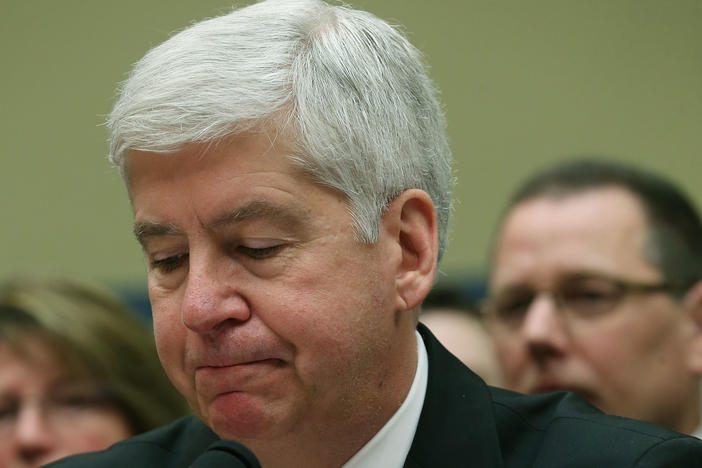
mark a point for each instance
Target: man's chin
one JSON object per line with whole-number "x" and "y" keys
{"x": 238, "y": 416}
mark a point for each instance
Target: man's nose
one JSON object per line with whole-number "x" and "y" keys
{"x": 212, "y": 297}
{"x": 544, "y": 328}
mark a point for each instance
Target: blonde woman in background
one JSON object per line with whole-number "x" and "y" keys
{"x": 78, "y": 372}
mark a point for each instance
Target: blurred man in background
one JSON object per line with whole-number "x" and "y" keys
{"x": 596, "y": 287}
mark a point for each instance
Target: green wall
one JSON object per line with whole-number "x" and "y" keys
{"x": 523, "y": 84}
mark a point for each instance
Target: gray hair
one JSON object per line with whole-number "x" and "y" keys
{"x": 349, "y": 90}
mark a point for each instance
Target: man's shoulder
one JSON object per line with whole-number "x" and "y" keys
{"x": 174, "y": 445}
{"x": 562, "y": 427}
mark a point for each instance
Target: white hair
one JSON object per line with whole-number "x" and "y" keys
{"x": 350, "y": 90}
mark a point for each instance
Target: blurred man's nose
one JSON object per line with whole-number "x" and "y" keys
{"x": 544, "y": 329}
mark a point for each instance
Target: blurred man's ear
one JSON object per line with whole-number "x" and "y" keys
{"x": 693, "y": 306}
{"x": 411, "y": 221}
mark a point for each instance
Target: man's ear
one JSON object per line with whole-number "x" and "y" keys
{"x": 693, "y": 306}
{"x": 410, "y": 220}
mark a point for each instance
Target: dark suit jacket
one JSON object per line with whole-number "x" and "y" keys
{"x": 463, "y": 423}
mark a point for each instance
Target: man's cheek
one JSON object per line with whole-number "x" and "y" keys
{"x": 170, "y": 346}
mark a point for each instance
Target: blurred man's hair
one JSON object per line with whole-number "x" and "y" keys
{"x": 674, "y": 237}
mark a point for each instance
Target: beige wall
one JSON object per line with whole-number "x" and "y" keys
{"x": 523, "y": 83}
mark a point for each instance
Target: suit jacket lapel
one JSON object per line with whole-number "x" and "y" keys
{"x": 457, "y": 424}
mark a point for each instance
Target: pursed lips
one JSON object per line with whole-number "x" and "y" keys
{"x": 217, "y": 378}
{"x": 221, "y": 363}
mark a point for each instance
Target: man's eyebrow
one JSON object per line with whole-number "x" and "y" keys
{"x": 284, "y": 216}
{"x": 262, "y": 209}
{"x": 145, "y": 229}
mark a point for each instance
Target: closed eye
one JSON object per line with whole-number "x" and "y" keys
{"x": 169, "y": 264}
{"x": 260, "y": 253}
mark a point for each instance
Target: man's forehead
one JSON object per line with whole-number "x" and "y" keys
{"x": 549, "y": 240}
{"x": 213, "y": 162}
{"x": 572, "y": 207}
{"x": 608, "y": 220}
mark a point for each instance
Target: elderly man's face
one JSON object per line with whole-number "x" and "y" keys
{"x": 624, "y": 349}
{"x": 269, "y": 316}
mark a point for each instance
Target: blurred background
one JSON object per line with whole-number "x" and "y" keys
{"x": 523, "y": 84}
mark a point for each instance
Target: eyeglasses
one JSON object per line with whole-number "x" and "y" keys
{"x": 579, "y": 297}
